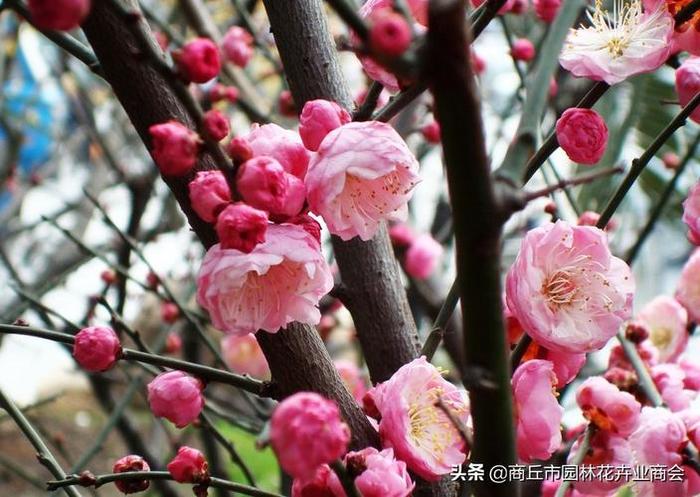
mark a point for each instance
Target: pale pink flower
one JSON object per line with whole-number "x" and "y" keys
{"x": 381, "y": 475}
{"x": 128, "y": 464}
{"x": 264, "y": 184}
{"x": 237, "y": 46}
{"x": 281, "y": 144}
{"x": 96, "y": 348}
{"x": 566, "y": 366}
{"x": 175, "y": 147}
{"x": 324, "y": 483}
{"x": 691, "y": 212}
{"x": 209, "y": 194}
{"x": 620, "y": 44}
{"x": 538, "y": 414}
{"x": 317, "y": 119}
{"x": 280, "y": 281}
{"x": 670, "y": 380}
{"x": 688, "y": 84}
{"x": 176, "y": 396}
{"x": 306, "y": 431}
{"x": 667, "y": 322}
{"x": 362, "y": 174}
{"x": 658, "y": 441}
{"x": 582, "y": 134}
{"x": 423, "y": 257}
{"x": 605, "y": 449}
{"x": 244, "y": 356}
{"x": 60, "y": 15}
{"x": 610, "y": 409}
{"x": 189, "y": 466}
{"x": 420, "y": 433}
{"x": 241, "y": 227}
{"x": 688, "y": 291}
{"x": 198, "y": 60}
{"x": 352, "y": 377}
{"x": 566, "y": 288}
{"x": 691, "y": 370}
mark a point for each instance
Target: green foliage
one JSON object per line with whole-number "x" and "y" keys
{"x": 262, "y": 463}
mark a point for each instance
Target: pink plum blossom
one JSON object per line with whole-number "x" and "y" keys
{"x": 281, "y": 144}
{"x": 538, "y": 413}
{"x": 422, "y": 257}
{"x": 237, "y": 46}
{"x": 189, "y": 466}
{"x": 620, "y": 44}
{"x": 175, "y": 147}
{"x": 667, "y": 322}
{"x": 198, "y": 60}
{"x": 244, "y": 356}
{"x": 389, "y": 33}
{"x": 352, "y": 378}
{"x": 209, "y": 194}
{"x": 318, "y": 118}
{"x": 280, "y": 281}
{"x": 418, "y": 431}
{"x": 306, "y": 431}
{"x": 688, "y": 83}
{"x": 582, "y": 134}
{"x": 687, "y": 35}
{"x": 566, "y": 288}
{"x": 688, "y": 291}
{"x": 691, "y": 212}
{"x": 362, "y": 174}
{"x": 605, "y": 449}
{"x": 691, "y": 371}
{"x": 176, "y": 396}
{"x": 60, "y": 15}
{"x": 604, "y": 405}
{"x": 264, "y": 184}
{"x": 565, "y": 365}
{"x": 381, "y": 475}
{"x": 670, "y": 381}
{"x": 658, "y": 440}
{"x": 96, "y": 348}
{"x": 241, "y": 227}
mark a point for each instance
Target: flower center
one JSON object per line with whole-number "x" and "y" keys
{"x": 661, "y": 337}
{"x": 430, "y": 429}
{"x": 560, "y": 289}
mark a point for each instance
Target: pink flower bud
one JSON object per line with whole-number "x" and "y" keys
{"x": 96, "y": 348}
{"x": 281, "y": 144}
{"x": 503, "y": 10}
{"x": 239, "y": 150}
{"x": 582, "y": 134}
{"x": 422, "y": 257}
{"x": 383, "y": 475}
{"x": 688, "y": 292}
{"x": 237, "y": 46}
{"x": 318, "y": 118}
{"x": 265, "y": 185}
{"x": 607, "y": 407}
{"x": 108, "y": 276}
{"x": 688, "y": 83}
{"x": 547, "y": 10}
{"x": 523, "y": 49}
{"x": 671, "y": 161}
{"x": 478, "y": 62}
{"x": 209, "y": 194}
{"x": 324, "y": 483}
{"x": 553, "y": 88}
{"x": 389, "y": 33}
{"x": 241, "y": 227}
{"x": 198, "y": 60}
{"x": 431, "y": 132}
{"x": 189, "y": 466}
{"x": 306, "y": 431}
{"x": 286, "y": 104}
{"x": 169, "y": 312}
{"x": 173, "y": 343}
{"x": 401, "y": 235}
{"x": 128, "y": 464}
{"x": 216, "y": 124}
{"x": 59, "y": 15}
{"x": 176, "y": 396}
{"x": 222, "y": 92}
{"x": 518, "y": 7}
{"x": 175, "y": 147}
